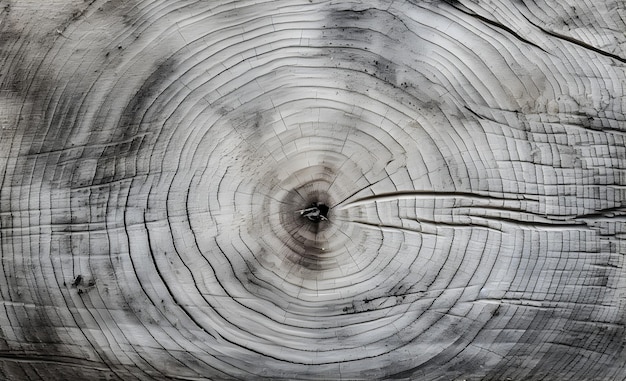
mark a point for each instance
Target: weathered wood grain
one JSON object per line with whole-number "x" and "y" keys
{"x": 156, "y": 158}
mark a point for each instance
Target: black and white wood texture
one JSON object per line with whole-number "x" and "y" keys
{"x": 156, "y": 156}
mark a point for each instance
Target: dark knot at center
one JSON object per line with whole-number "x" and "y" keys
{"x": 316, "y": 212}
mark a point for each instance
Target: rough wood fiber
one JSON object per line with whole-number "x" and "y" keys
{"x": 154, "y": 156}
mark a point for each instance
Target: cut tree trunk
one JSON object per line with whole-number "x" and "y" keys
{"x": 428, "y": 190}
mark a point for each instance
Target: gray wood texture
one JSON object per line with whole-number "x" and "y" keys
{"x": 163, "y": 165}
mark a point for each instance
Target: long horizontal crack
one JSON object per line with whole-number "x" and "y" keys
{"x": 417, "y": 194}
{"x": 478, "y": 201}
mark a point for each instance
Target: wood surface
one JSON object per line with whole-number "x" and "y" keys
{"x": 155, "y": 155}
